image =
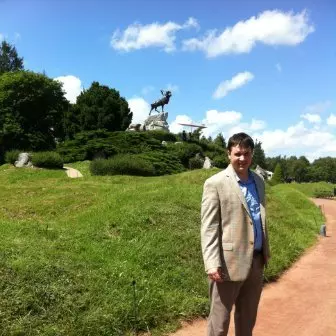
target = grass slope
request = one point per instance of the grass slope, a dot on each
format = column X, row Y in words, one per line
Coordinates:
column 70, row 249
column 313, row 189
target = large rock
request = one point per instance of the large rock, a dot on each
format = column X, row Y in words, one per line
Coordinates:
column 157, row 122
column 207, row 163
column 23, row 161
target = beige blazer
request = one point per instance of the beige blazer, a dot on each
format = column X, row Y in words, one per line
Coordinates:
column 227, row 234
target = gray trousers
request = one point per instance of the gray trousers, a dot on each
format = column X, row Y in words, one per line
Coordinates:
column 245, row 295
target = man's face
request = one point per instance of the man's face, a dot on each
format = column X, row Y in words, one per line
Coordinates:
column 241, row 159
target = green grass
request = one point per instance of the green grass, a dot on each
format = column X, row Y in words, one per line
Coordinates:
column 293, row 222
column 312, row 189
column 70, row 249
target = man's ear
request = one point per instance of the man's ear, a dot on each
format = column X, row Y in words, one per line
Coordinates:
column 228, row 153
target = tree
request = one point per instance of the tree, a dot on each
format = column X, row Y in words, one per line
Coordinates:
column 220, row 141
column 300, row 169
column 259, row 155
column 196, row 134
column 31, row 111
column 324, row 169
column 100, row 107
column 271, row 162
column 9, row 59
column 278, row 175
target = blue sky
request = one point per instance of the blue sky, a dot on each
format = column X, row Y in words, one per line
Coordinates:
column 264, row 67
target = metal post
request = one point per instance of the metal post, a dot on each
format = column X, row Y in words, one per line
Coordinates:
column 135, row 310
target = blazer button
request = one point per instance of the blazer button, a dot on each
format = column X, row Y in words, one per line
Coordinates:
column 251, row 242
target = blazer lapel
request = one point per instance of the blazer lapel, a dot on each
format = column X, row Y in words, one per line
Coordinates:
column 261, row 195
column 235, row 187
column 259, row 189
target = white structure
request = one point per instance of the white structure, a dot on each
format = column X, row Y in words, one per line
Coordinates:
column 267, row 175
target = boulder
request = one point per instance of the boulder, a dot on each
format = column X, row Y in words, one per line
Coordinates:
column 23, row 161
column 157, row 122
column 207, row 163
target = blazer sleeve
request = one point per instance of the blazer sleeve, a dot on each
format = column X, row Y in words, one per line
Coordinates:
column 210, row 222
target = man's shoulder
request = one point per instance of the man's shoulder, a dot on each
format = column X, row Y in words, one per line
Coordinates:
column 258, row 176
column 214, row 179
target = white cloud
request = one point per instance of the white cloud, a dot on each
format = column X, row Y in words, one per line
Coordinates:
column 331, row 120
column 278, row 67
column 312, row 118
column 217, row 121
column 318, row 108
column 140, row 109
column 174, row 127
column 297, row 139
column 72, row 86
column 138, row 36
column 257, row 125
column 234, row 83
column 273, row 28
column 2, row 37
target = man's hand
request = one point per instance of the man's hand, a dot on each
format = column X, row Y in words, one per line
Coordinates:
column 215, row 274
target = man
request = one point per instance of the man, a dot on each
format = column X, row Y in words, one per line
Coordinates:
column 234, row 240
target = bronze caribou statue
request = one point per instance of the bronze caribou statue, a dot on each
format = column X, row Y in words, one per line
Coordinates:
column 161, row 102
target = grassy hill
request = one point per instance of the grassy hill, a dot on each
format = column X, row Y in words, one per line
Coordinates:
column 71, row 248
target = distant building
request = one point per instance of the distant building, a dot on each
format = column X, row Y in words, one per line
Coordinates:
column 267, row 175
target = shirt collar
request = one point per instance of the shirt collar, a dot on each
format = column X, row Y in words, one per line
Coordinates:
column 250, row 177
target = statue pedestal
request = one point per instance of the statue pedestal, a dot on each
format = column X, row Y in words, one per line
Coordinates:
column 157, row 122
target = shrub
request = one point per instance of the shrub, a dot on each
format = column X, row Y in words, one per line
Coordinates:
column 87, row 145
column 12, row 156
column 220, row 161
column 70, row 151
column 162, row 136
column 163, row 163
column 99, row 148
column 123, row 164
column 196, row 163
column 47, row 160
column 185, row 151
column 323, row 193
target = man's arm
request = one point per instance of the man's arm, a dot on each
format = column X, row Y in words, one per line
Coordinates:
column 210, row 218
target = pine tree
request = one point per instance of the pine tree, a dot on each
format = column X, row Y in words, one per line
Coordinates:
column 278, row 175
column 9, row 59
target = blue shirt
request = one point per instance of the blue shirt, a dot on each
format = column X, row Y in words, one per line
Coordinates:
column 249, row 190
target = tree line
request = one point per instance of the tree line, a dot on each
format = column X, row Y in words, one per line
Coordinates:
column 35, row 115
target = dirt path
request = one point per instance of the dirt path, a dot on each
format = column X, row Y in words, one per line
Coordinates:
column 72, row 172
column 303, row 301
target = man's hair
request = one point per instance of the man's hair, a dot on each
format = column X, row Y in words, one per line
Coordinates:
column 240, row 139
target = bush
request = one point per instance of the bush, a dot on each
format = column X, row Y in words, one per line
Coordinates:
column 162, row 136
column 220, row 161
column 196, row 163
column 12, row 156
column 323, row 193
column 123, row 164
column 163, row 163
column 87, row 145
column 185, row 151
column 99, row 148
column 47, row 160
column 70, row 151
